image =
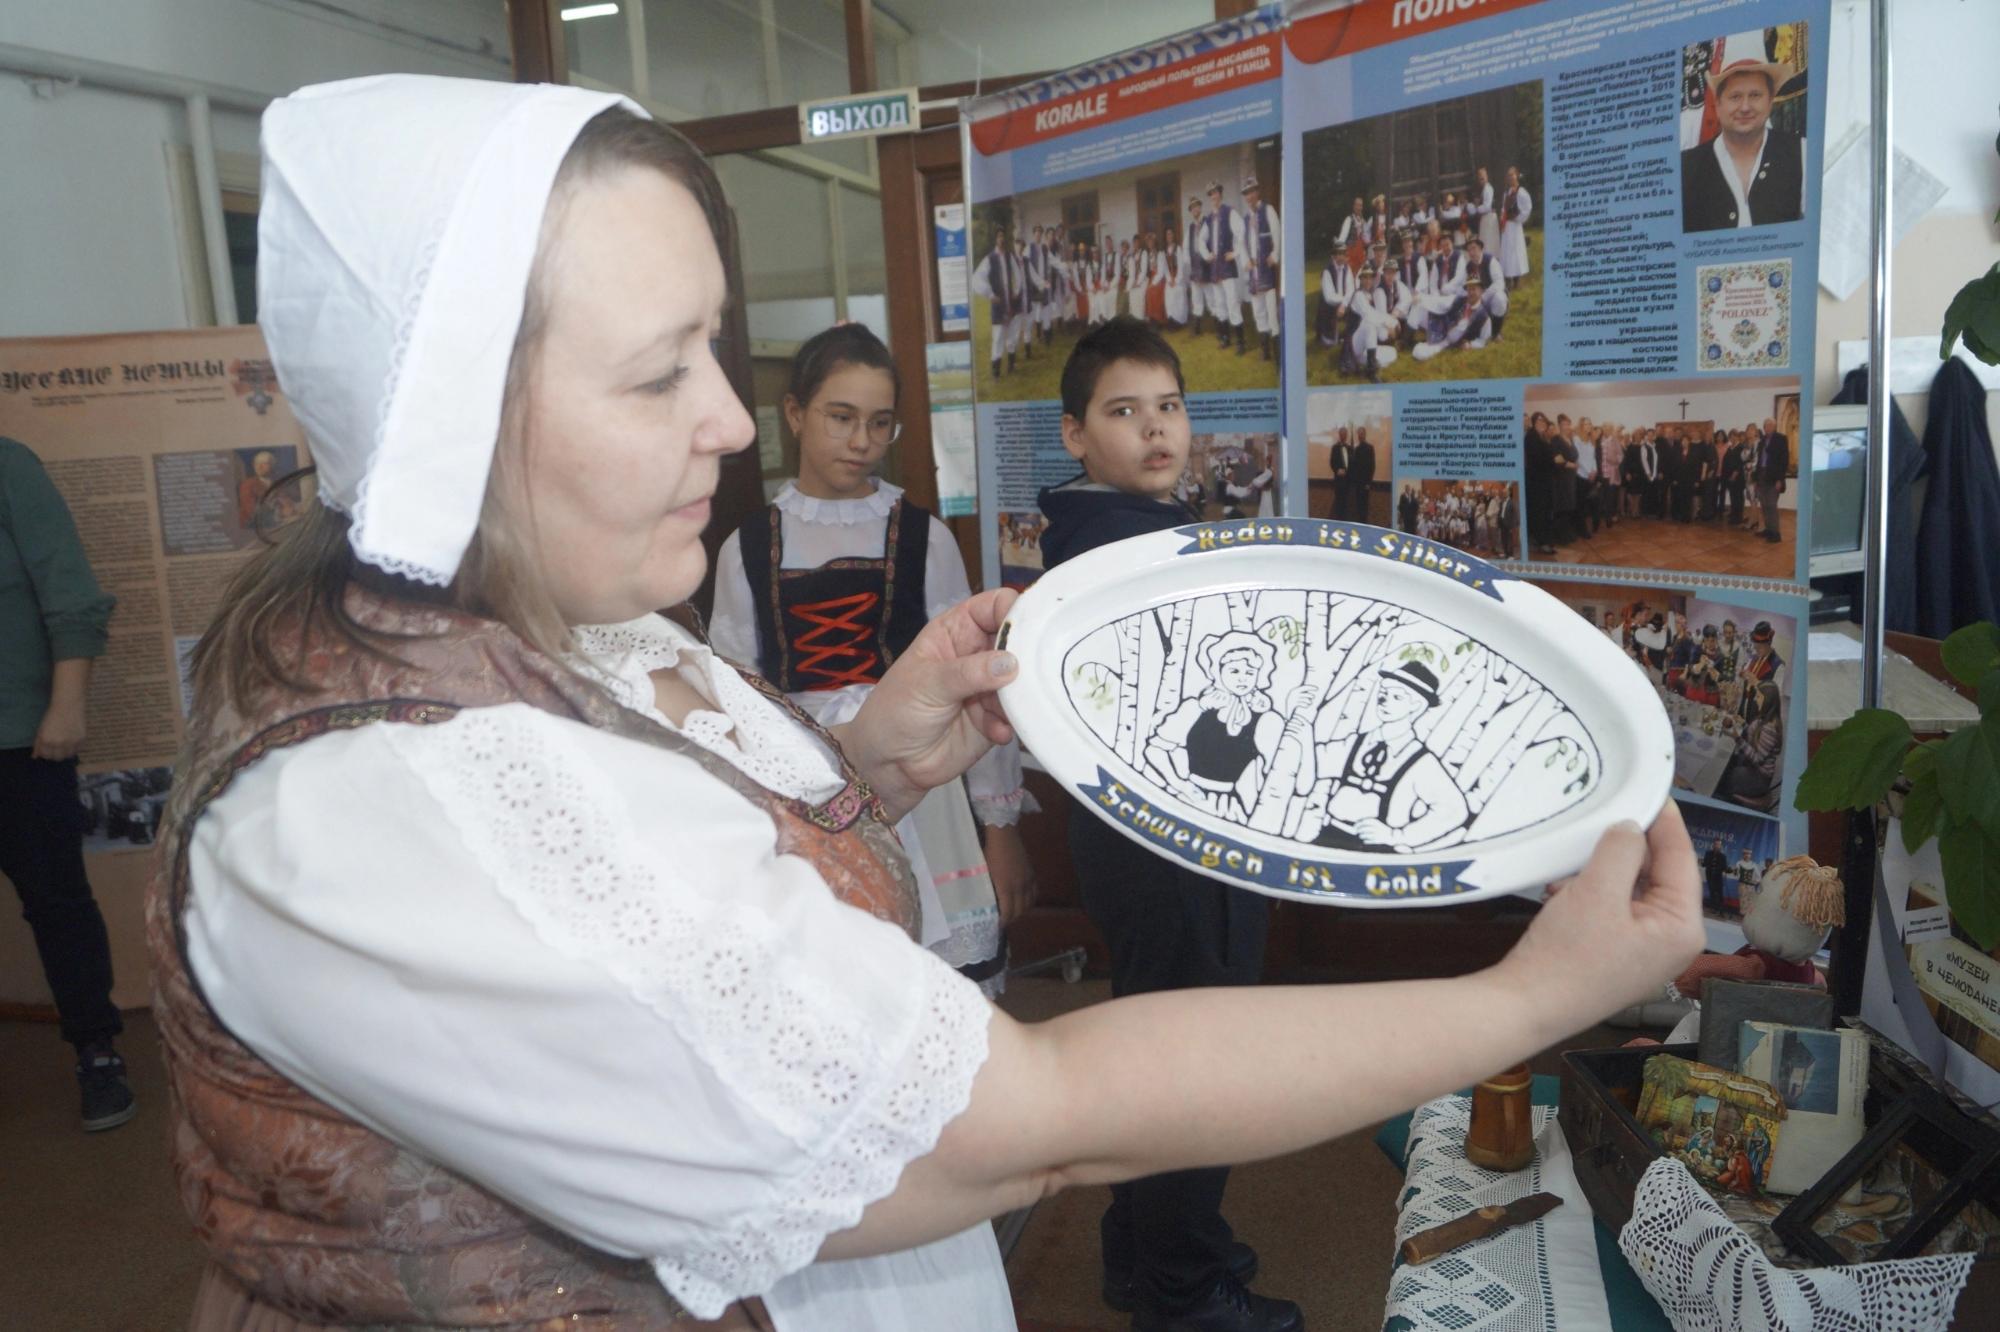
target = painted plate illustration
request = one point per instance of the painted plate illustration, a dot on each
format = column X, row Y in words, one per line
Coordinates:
column 1334, row 712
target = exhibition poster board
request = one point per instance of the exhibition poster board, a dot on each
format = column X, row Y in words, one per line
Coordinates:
column 166, row 447
column 1530, row 273
column 1121, row 165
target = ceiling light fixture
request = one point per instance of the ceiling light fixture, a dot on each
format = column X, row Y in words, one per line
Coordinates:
column 575, row 12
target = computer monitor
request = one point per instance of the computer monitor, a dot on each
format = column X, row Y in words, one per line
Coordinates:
column 1839, row 489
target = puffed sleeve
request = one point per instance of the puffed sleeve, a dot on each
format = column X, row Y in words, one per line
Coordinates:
column 732, row 625
column 994, row 782
column 572, row 967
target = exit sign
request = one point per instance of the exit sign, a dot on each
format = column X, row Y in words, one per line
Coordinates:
column 862, row 115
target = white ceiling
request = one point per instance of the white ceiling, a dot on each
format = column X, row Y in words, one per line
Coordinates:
column 958, row 39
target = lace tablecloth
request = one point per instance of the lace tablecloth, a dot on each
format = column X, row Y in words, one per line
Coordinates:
column 1538, row 1278
column 1710, row 1276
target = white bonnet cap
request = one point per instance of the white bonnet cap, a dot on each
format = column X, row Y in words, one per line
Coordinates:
column 400, row 218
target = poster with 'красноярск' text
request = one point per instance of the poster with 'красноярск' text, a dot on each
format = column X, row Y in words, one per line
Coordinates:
column 1545, row 256
column 1144, row 184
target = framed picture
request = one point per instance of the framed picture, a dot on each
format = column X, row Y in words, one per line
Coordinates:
column 1952, row 1163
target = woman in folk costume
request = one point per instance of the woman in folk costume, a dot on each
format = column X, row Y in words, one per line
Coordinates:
column 1516, row 207
column 518, row 962
column 824, row 589
column 1489, row 215
column 1379, row 222
column 1351, row 241
column 1156, row 282
column 1175, row 254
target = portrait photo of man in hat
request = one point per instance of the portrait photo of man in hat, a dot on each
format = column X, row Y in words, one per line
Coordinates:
column 1744, row 171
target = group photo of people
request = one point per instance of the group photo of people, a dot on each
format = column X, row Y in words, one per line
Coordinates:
column 1350, row 436
column 1673, row 474
column 1722, row 671
column 1734, row 850
column 1191, row 245
column 1423, row 263
column 1742, row 129
column 1021, row 546
column 1481, row 518
column 1233, row 475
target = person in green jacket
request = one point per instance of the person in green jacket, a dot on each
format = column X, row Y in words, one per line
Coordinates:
column 53, row 617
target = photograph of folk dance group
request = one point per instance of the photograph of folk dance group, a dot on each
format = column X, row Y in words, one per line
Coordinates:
column 1668, row 474
column 1232, row 475
column 1735, row 851
column 1481, row 518
column 1724, row 674
column 1423, row 246
column 1191, row 245
column 1349, row 437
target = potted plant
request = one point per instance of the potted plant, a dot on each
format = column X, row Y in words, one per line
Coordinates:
column 1952, row 786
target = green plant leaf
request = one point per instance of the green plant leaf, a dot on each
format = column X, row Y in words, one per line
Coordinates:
column 1971, row 859
column 1921, row 809
column 1989, row 693
column 1856, row 763
column 1968, row 778
column 1974, row 314
column 1971, row 652
column 1921, row 759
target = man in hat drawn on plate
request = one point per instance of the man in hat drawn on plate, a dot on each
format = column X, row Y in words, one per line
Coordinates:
column 1386, row 790
column 1750, row 174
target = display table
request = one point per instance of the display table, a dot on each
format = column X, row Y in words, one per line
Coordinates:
column 1631, row 1308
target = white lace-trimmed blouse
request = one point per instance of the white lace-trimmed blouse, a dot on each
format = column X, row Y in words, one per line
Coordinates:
column 573, row 967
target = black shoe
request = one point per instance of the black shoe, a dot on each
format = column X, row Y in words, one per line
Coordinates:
column 107, row 1098
column 1119, row 1294
column 1230, row 1307
column 1773, row 537
column 1374, row 368
column 1240, row 337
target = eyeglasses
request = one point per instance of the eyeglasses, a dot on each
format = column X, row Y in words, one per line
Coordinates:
column 883, row 427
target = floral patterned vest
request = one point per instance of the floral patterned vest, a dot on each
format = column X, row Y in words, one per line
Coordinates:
column 314, row 1214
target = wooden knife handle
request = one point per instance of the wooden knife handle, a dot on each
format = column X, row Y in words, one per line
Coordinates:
column 1439, row 1240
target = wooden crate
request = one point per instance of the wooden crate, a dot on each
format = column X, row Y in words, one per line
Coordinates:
column 1611, row 1152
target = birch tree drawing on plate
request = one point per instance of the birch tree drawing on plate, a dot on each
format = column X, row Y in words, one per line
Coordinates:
column 1330, row 720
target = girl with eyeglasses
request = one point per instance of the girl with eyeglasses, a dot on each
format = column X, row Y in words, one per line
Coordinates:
column 826, row 587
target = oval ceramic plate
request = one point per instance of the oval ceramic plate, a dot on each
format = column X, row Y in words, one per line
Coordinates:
column 1334, row 712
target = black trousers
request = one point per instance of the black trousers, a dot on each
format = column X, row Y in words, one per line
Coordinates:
column 41, row 853
column 1168, row 928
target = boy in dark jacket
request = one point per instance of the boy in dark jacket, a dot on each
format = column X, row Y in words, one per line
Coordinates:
column 1168, row 1254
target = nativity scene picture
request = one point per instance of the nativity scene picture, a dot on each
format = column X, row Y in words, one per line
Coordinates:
column 1330, row 720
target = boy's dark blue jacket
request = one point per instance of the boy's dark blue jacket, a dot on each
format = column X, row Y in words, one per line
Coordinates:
column 1085, row 517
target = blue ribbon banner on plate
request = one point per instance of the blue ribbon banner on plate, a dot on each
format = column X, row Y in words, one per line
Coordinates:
column 1358, row 538
column 1174, row 836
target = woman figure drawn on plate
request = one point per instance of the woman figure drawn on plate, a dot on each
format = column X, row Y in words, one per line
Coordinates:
column 1216, row 747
